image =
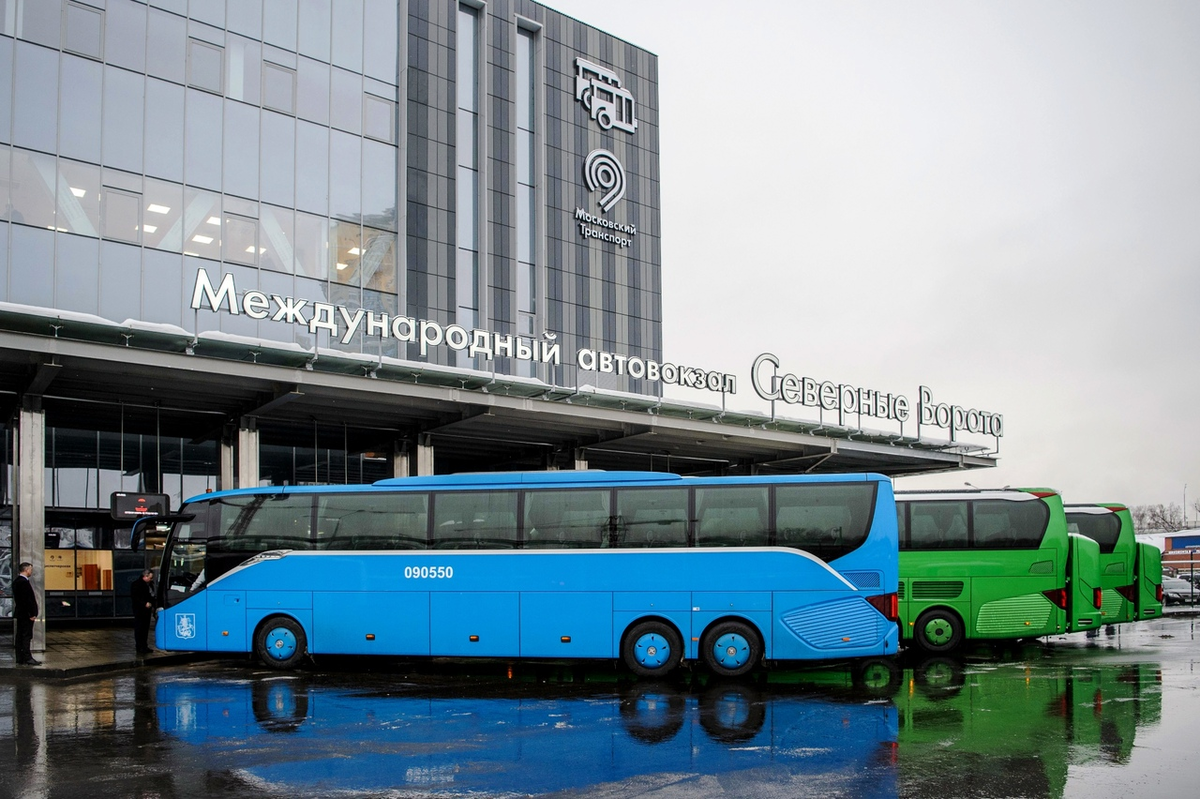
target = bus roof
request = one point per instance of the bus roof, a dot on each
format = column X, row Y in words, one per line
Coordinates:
column 510, row 480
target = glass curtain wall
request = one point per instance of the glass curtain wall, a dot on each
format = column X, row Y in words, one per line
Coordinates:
column 466, row 277
column 527, row 232
column 142, row 143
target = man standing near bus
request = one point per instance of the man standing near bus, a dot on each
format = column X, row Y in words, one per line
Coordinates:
column 25, row 613
column 143, row 607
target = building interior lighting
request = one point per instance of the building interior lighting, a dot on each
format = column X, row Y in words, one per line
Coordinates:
column 202, row 239
column 79, row 192
column 341, row 267
column 213, row 220
column 149, row 228
column 155, row 208
column 355, row 251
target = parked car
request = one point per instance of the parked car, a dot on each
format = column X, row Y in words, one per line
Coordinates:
column 1178, row 591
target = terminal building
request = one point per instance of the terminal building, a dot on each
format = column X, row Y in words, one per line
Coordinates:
column 262, row 242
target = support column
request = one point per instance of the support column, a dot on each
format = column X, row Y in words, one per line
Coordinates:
column 247, row 453
column 401, row 460
column 29, row 508
column 424, row 456
column 226, row 454
column 581, row 463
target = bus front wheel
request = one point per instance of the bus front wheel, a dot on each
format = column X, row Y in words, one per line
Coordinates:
column 652, row 649
column 938, row 630
column 280, row 643
column 731, row 648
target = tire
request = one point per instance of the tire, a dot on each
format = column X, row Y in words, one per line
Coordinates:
column 280, row 643
column 731, row 648
column 652, row 712
column 732, row 713
column 938, row 630
column 652, row 649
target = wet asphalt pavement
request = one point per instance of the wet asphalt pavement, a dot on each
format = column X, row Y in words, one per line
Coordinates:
column 1108, row 716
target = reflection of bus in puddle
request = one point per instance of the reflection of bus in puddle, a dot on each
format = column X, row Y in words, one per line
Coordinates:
column 307, row 737
column 1013, row 729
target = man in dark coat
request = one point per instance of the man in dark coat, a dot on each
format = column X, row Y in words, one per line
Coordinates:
column 25, row 612
column 143, row 607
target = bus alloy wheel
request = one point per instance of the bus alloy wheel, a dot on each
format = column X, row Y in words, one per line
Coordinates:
column 938, row 630
column 731, row 648
column 652, row 648
column 280, row 643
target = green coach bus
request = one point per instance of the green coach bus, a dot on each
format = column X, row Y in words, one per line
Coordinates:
column 1111, row 526
column 1149, row 580
column 985, row 564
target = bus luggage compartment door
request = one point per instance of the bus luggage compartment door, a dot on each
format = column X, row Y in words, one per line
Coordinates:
column 371, row 623
column 474, row 623
column 566, row 625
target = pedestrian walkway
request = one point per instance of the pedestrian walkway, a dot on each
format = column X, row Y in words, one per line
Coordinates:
column 77, row 651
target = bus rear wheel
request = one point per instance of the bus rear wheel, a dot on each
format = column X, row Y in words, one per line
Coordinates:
column 652, row 649
column 280, row 643
column 731, row 648
column 938, row 630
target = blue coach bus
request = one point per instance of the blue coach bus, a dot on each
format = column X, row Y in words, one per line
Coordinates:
column 647, row 567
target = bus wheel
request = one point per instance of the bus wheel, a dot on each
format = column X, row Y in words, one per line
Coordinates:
column 938, row 630
column 280, row 643
column 731, row 648
column 652, row 649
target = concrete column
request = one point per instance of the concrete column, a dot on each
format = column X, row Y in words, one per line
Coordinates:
column 29, row 508
column 424, row 456
column 226, row 454
column 401, row 461
column 247, row 454
column 581, row 463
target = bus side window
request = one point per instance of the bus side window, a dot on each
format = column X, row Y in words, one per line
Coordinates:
column 566, row 519
column 731, row 517
column 652, row 517
column 475, row 520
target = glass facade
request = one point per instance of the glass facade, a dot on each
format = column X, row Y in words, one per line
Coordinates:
column 423, row 159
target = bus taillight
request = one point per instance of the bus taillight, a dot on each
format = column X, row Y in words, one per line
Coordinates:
column 1158, row 593
column 1097, row 598
column 1058, row 596
column 887, row 604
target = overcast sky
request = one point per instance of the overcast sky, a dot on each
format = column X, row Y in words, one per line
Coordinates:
column 998, row 200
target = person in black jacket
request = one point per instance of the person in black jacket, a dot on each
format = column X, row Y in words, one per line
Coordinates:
column 142, row 595
column 25, row 612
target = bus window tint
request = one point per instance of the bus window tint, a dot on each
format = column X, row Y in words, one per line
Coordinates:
column 826, row 520
column 938, row 525
column 652, row 517
column 732, row 517
column 1001, row 524
column 372, row 521
column 566, row 519
column 1103, row 528
column 475, row 520
column 261, row 522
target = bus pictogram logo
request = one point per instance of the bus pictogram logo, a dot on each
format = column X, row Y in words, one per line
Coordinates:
column 600, row 91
